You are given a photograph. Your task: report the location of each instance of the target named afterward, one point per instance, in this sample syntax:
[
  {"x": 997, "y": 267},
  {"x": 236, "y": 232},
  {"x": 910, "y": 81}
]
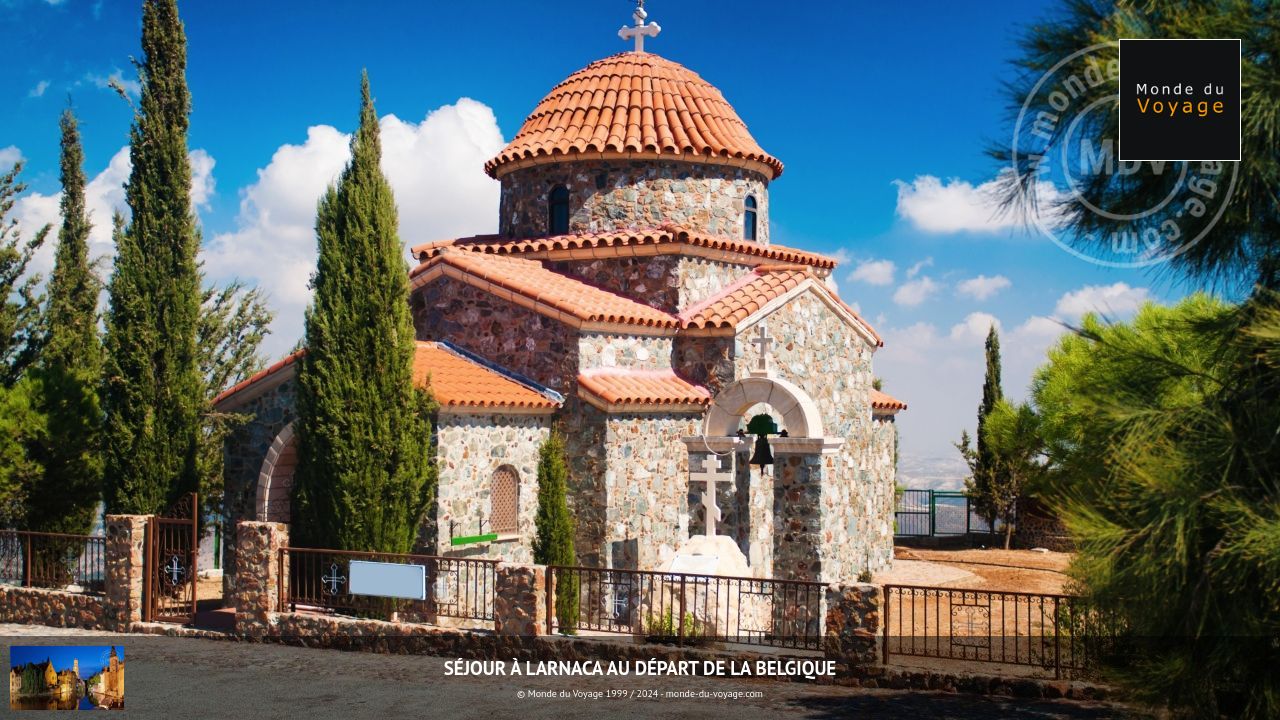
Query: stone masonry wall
[
  {"x": 55, "y": 608},
  {"x": 608, "y": 195},
  {"x": 520, "y": 600},
  {"x": 243, "y": 452},
  {"x": 652, "y": 280},
  {"x": 257, "y": 590},
  {"x": 700, "y": 278},
  {"x": 646, "y": 483},
  {"x": 817, "y": 351},
  {"x": 123, "y": 561},
  {"x": 471, "y": 449},
  {"x": 853, "y": 623},
  {"x": 635, "y": 352}
]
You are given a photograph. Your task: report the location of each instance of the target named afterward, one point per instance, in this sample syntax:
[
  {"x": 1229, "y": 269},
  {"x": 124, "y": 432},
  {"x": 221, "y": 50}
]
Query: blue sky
[
  {"x": 881, "y": 113},
  {"x": 92, "y": 657}
]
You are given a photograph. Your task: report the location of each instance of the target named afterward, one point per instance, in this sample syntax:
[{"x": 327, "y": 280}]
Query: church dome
[{"x": 634, "y": 105}]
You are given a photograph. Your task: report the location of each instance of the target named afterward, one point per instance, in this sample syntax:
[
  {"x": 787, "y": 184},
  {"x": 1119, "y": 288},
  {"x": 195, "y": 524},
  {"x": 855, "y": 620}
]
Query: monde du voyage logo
[{"x": 1179, "y": 100}]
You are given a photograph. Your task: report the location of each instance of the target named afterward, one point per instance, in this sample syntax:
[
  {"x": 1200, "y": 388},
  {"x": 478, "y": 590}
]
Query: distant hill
[{"x": 932, "y": 473}]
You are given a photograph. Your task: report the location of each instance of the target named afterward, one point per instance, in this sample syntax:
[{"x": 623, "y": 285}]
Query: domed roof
[{"x": 634, "y": 104}]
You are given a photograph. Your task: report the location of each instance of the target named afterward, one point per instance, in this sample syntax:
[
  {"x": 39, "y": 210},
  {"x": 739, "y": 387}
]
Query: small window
[
  {"x": 558, "y": 211},
  {"x": 749, "y": 218},
  {"x": 504, "y": 508}
]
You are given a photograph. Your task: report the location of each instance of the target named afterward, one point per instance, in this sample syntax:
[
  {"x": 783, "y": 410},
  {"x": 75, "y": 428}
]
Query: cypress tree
[
  {"x": 152, "y": 390},
  {"x": 365, "y": 477},
  {"x": 69, "y": 486},
  {"x": 985, "y": 464},
  {"x": 553, "y": 542}
]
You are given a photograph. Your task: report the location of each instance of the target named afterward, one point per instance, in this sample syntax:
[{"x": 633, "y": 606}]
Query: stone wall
[
  {"x": 245, "y": 448},
  {"x": 257, "y": 590},
  {"x": 706, "y": 361},
  {"x": 652, "y": 280},
  {"x": 125, "y": 570},
  {"x": 1038, "y": 531},
  {"x": 853, "y": 623},
  {"x": 55, "y": 608},
  {"x": 634, "y": 352},
  {"x": 646, "y": 485},
  {"x": 857, "y": 488},
  {"x": 700, "y": 278},
  {"x": 471, "y": 449},
  {"x": 608, "y": 195},
  {"x": 800, "y": 551},
  {"x": 520, "y": 600}
]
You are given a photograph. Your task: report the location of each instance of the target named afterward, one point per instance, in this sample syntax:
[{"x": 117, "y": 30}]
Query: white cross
[
  {"x": 333, "y": 579},
  {"x": 641, "y": 30},
  {"x": 710, "y": 477},
  {"x": 763, "y": 344},
  {"x": 174, "y": 570}
]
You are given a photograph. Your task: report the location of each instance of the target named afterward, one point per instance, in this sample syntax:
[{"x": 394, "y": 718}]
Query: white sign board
[
  {"x": 394, "y": 580},
  {"x": 695, "y": 564}
]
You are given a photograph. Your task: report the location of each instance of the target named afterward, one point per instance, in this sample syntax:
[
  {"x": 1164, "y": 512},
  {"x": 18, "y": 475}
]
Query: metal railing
[
  {"x": 76, "y": 563},
  {"x": 927, "y": 513},
  {"x": 690, "y": 609},
  {"x": 318, "y": 580},
  {"x": 1047, "y": 631}
]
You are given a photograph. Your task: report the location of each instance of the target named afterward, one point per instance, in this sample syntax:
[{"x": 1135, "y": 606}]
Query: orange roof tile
[
  {"x": 455, "y": 380},
  {"x": 620, "y": 389},
  {"x": 885, "y": 401},
  {"x": 670, "y": 239},
  {"x": 544, "y": 291},
  {"x": 635, "y": 104}
]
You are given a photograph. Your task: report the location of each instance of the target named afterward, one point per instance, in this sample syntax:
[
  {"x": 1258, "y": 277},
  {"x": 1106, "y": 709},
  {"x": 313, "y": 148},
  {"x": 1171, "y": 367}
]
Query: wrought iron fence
[
  {"x": 1057, "y": 633},
  {"x": 690, "y": 609},
  {"x": 319, "y": 580},
  {"x": 53, "y": 560},
  {"x": 926, "y": 513}
]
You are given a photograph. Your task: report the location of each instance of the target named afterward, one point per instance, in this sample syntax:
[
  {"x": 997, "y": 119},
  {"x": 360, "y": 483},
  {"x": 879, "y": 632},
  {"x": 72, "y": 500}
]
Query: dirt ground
[{"x": 982, "y": 569}]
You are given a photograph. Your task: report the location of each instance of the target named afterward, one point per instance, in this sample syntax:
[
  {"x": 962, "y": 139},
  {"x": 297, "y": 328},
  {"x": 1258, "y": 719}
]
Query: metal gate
[{"x": 169, "y": 585}]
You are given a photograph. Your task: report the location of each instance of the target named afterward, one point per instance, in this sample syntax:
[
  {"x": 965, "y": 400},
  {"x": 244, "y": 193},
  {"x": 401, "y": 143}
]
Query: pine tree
[
  {"x": 20, "y": 316},
  {"x": 984, "y": 483},
  {"x": 68, "y": 487},
  {"x": 365, "y": 477},
  {"x": 553, "y": 542},
  {"x": 152, "y": 389}
]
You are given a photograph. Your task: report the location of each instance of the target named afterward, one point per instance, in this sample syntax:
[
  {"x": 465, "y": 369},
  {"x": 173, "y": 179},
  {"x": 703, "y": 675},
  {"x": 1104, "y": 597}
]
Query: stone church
[{"x": 632, "y": 298}]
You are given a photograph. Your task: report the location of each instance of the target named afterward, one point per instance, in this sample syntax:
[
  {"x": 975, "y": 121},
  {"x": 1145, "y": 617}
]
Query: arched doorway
[{"x": 275, "y": 479}]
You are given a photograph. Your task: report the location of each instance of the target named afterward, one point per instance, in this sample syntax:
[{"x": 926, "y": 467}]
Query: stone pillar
[
  {"x": 520, "y": 600},
  {"x": 797, "y": 517},
  {"x": 125, "y": 546},
  {"x": 258, "y": 578},
  {"x": 853, "y": 623}
]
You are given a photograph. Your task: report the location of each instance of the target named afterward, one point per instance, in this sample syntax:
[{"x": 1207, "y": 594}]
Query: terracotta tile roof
[
  {"x": 750, "y": 293},
  {"x": 460, "y": 382},
  {"x": 670, "y": 239},
  {"x": 621, "y": 389},
  {"x": 885, "y": 401},
  {"x": 457, "y": 380},
  {"x": 551, "y": 293},
  {"x": 637, "y": 104}
]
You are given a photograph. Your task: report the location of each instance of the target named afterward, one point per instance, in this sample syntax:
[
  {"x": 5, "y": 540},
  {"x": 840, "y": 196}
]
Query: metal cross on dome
[
  {"x": 641, "y": 30},
  {"x": 174, "y": 571},
  {"x": 333, "y": 579}
]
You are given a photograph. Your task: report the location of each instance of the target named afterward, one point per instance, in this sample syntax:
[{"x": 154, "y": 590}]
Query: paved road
[{"x": 186, "y": 678}]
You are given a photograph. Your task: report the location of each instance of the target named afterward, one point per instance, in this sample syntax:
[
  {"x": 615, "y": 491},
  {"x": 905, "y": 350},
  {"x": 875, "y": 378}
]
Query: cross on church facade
[
  {"x": 641, "y": 30},
  {"x": 764, "y": 346},
  {"x": 710, "y": 476}
]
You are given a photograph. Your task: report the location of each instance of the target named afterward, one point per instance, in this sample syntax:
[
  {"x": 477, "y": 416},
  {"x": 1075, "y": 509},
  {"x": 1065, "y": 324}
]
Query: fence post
[
  {"x": 680, "y": 631},
  {"x": 551, "y": 598},
  {"x": 1057, "y": 645},
  {"x": 885, "y": 614},
  {"x": 26, "y": 561},
  {"x": 933, "y": 515}
]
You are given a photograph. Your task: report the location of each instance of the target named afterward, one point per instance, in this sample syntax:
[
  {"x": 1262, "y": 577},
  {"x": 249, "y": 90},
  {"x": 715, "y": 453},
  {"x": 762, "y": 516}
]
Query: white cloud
[
  {"x": 104, "y": 82},
  {"x": 955, "y": 205},
  {"x": 915, "y": 269},
  {"x": 38, "y": 90},
  {"x": 435, "y": 168},
  {"x": 915, "y": 292},
  {"x": 202, "y": 182},
  {"x": 1107, "y": 300},
  {"x": 983, "y": 287},
  {"x": 974, "y": 327},
  {"x": 874, "y": 272},
  {"x": 9, "y": 156}
]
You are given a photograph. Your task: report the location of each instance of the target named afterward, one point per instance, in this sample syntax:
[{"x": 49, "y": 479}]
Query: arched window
[
  {"x": 558, "y": 211},
  {"x": 504, "y": 498},
  {"x": 749, "y": 218}
]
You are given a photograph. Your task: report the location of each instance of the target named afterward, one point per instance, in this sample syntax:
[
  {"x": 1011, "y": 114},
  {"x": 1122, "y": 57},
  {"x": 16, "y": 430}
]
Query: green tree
[
  {"x": 365, "y": 476},
  {"x": 553, "y": 541},
  {"x": 153, "y": 390},
  {"x": 65, "y": 492},
  {"x": 21, "y": 426},
  {"x": 21, "y": 329},
  {"x": 986, "y": 485}
]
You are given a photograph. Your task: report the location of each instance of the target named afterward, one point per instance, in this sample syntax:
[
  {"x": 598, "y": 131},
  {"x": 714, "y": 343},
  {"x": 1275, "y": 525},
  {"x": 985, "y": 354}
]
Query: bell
[{"x": 762, "y": 455}]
